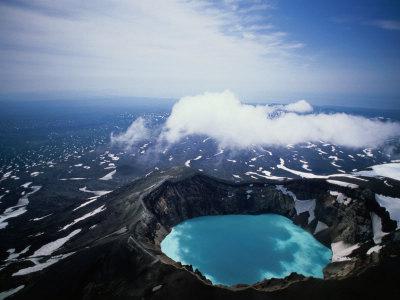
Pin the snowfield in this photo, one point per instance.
(390, 170)
(392, 205)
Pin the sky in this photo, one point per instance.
(328, 52)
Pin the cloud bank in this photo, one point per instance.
(233, 124)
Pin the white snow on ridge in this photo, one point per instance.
(305, 165)
(341, 251)
(269, 152)
(390, 170)
(219, 152)
(335, 159)
(115, 157)
(346, 176)
(187, 163)
(320, 227)
(392, 205)
(306, 205)
(300, 205)
(6, 294)
(88, 215)
(298, 173)
(38, 266)
(266, 175)
(368, 152)
(375, 248)
(12, 255)
(18, 209)
(41, 218)
(9, 215)
(377, 228)
(321, 152)
(90, 200)
(96, 193)
(110, 166)
(108, 176)
(6, 175)
(51, 247)
(342, 183)
(311, 175)
(255, 158)
(340, 197)
(39, 257)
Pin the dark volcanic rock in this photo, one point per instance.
(120, 258)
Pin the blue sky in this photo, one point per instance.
(328, 52)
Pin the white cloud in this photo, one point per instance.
(301, 106)
(136, 132)
(234, 124)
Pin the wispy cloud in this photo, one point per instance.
(386, 24)
(150, 48)
(169, 48)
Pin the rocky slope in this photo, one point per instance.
(120, 258)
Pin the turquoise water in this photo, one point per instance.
(246, 249)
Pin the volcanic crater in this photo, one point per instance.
(120, 258)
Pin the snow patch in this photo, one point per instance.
(341, 251)
(392, 205)
(340, 198)
(18, 209)
(88, 215)
(38, 266)
(96, 193)
(344, 184)
(377, 228)
(12, 255)
(298, 173)
(375, 249)
(300, 205)
(5, 294)
(108, 176)
(51, 247)
(320, 227)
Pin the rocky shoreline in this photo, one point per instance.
(120, 258)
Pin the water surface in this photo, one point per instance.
(246, 249)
